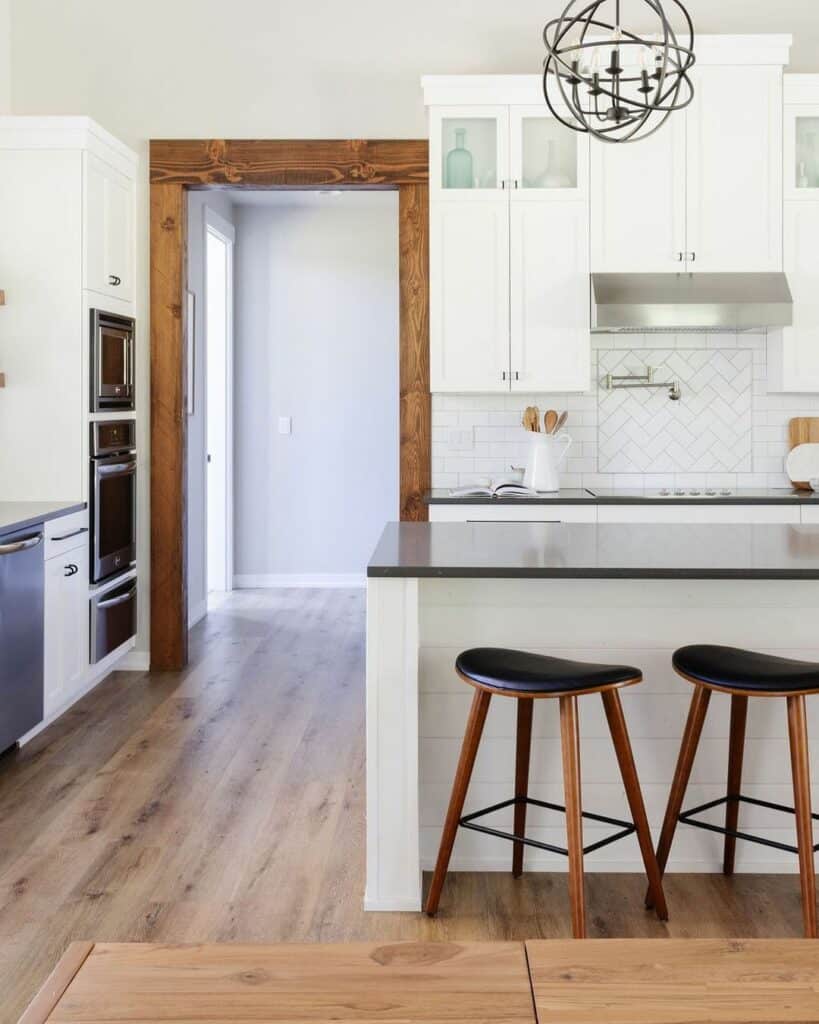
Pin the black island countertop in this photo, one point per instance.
(596, 551)
(19, 515)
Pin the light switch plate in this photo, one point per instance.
(285, 424)
(462, 440)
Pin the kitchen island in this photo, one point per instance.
(629, 593)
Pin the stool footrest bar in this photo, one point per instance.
(686, 817)
(626, 828)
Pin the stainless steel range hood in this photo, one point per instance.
(645, 303)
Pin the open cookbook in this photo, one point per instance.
(504, 488)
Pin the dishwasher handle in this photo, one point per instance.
(21, 545)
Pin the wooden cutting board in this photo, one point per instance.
(803, 430)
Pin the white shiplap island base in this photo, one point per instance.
(417, 707)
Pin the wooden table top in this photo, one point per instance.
(675, 981)
(591, 981)
(211, 984)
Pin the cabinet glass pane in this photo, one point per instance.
(470, 152)
(549, 154)
(807, 152)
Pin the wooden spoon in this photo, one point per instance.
(531, 418)
(550, 421)
(561, 421)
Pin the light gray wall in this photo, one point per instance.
(5, 56)
(197, 437)
(317, 339)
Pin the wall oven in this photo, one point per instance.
(112, 361)
(113, 497)
(113, 618)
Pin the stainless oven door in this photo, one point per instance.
(113, 515)
(112, 383)
(113, 619)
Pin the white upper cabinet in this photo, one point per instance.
(550, 347)
(704, 193)
(801, 131)
(469, 295)
(734, 161)
(109, 244)
(638, 202)
(509, 249)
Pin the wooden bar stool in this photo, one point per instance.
(744, 674)
(529, 677)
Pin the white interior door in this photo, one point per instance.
(219, 240)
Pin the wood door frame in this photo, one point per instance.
(179, 165)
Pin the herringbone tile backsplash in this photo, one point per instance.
(727, 430)
(707, 431)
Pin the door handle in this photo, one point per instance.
(120, 467)
(692, 257)
(21, 545)
(680, 257)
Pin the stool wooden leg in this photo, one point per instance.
(469, 748)
(736, 748)
(682, 773)
(524, 746)
(628, 771)
(570, 743)
(800, 766)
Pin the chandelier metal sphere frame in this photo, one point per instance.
(622, 101)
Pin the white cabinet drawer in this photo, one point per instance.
(65, 660)
(513, 514)
(698, 514)
(65, 533)
(810, 514)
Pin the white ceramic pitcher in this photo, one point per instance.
(546, 452)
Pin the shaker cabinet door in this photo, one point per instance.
(793, 353)
(734, 142)
(469, 296)
(109, 238)
(66, 627)
(550, 342)
(638, 203)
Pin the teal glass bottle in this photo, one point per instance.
(459, 163)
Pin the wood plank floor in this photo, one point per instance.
(226, 804)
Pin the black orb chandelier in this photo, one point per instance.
(601, 78)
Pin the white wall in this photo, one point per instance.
(5, 56)
(197, 443)
(316, 338)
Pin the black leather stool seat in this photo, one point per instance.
(523, 672)
(733, 668)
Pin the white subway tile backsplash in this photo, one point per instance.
(738, 437)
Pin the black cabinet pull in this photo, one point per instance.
(114, 281)
(71, 569)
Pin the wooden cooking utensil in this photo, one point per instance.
(531, 418)
(803, 430)
(561, 421)
(550, 421)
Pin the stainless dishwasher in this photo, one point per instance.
(22, 581)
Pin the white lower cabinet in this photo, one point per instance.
(810, 514)
(460, 513)
(66, 626)
(698, 514)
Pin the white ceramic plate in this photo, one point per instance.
(803, 463)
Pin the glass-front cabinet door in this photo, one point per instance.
(469, 151)
(547, 159)
(802, 151)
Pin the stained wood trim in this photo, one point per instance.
(54, 988)
(281, 163)
(169, 601)
(415, 410)
(177, 165)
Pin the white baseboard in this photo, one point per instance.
(134, 661)
(196, 613)
(270, 580)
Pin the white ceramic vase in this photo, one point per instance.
(546, 453)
